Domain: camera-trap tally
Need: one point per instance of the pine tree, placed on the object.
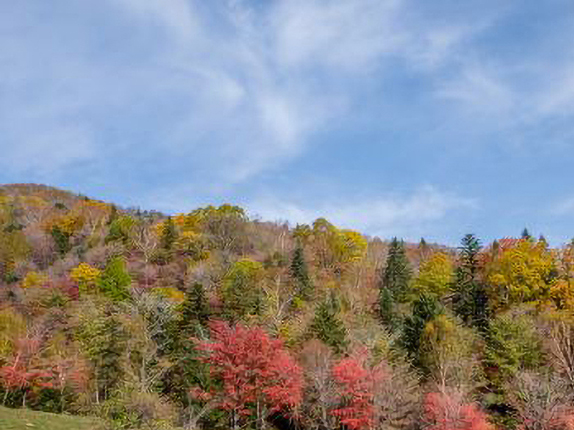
(526, 234)
(394, 282)
(61, 239)
(387, 308)
(470, 299)
(169, 235)
(327, 327)
(397, 274)
(424, 309)
(241, 290)
(115, 280)
(300, 274)
(194, 309)
(103, 339)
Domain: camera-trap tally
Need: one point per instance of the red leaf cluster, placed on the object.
(449, 412)
(18, 376)
(253, 368)
(356, 381)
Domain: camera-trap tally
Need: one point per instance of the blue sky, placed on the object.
(393, 117)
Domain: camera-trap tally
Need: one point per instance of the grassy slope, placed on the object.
(24, 419)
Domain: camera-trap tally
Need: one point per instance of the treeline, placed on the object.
(211, 320)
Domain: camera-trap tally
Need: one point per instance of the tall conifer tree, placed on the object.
(300, 274)
(327, 326)
(195, 310)
(394, 281)
(470, 299)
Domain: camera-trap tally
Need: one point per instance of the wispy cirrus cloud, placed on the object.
(151, 96)
(403, 215)
(242, 80)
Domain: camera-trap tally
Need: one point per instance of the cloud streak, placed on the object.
(384, 216)
(227, 98)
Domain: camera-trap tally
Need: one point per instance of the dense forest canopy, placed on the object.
(209, 319)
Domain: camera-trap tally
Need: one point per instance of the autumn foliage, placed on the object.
(20, 375)
(201, 320)
(357, 382)
(448, 411)
(253, 369)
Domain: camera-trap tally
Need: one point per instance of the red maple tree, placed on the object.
(257, 374)
(448, 411)
(18, 374)
(357, 382)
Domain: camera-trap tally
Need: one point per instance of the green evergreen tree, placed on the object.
(169, 235)
(115, 280)
(195, 310)
(388, 309)
(513, 343)
(394, 282)
(103, 339)
(241, 290)
(300, 274)
(526, 234)
(121, 229)
(61, 239)
(397, 273)
(327, 327)
(470, 300)
(424, 309)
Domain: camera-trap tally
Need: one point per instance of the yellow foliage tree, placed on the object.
(336, 248)
(170, 293)
(351, 246)
(435, 275)
(13, 248)
(562, 291)
(68, 224)
(34, 279)
(525, 272)
(85, 276)
(193, 245)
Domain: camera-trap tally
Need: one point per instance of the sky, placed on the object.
(408, 118)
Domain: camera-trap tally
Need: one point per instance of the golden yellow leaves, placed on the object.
(34, 279)
(525, 272)
(334, 247)
(193, 245)
(68, 224)
(170, 293)
(85, 276)
(435, 275)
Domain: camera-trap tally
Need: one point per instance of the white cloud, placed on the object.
(249, 75)
(401, 215)
(475, 87)
(343, 34)
(252, 83)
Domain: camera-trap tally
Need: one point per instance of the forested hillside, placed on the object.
(209, 319)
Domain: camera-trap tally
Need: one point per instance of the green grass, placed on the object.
(25, 419)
